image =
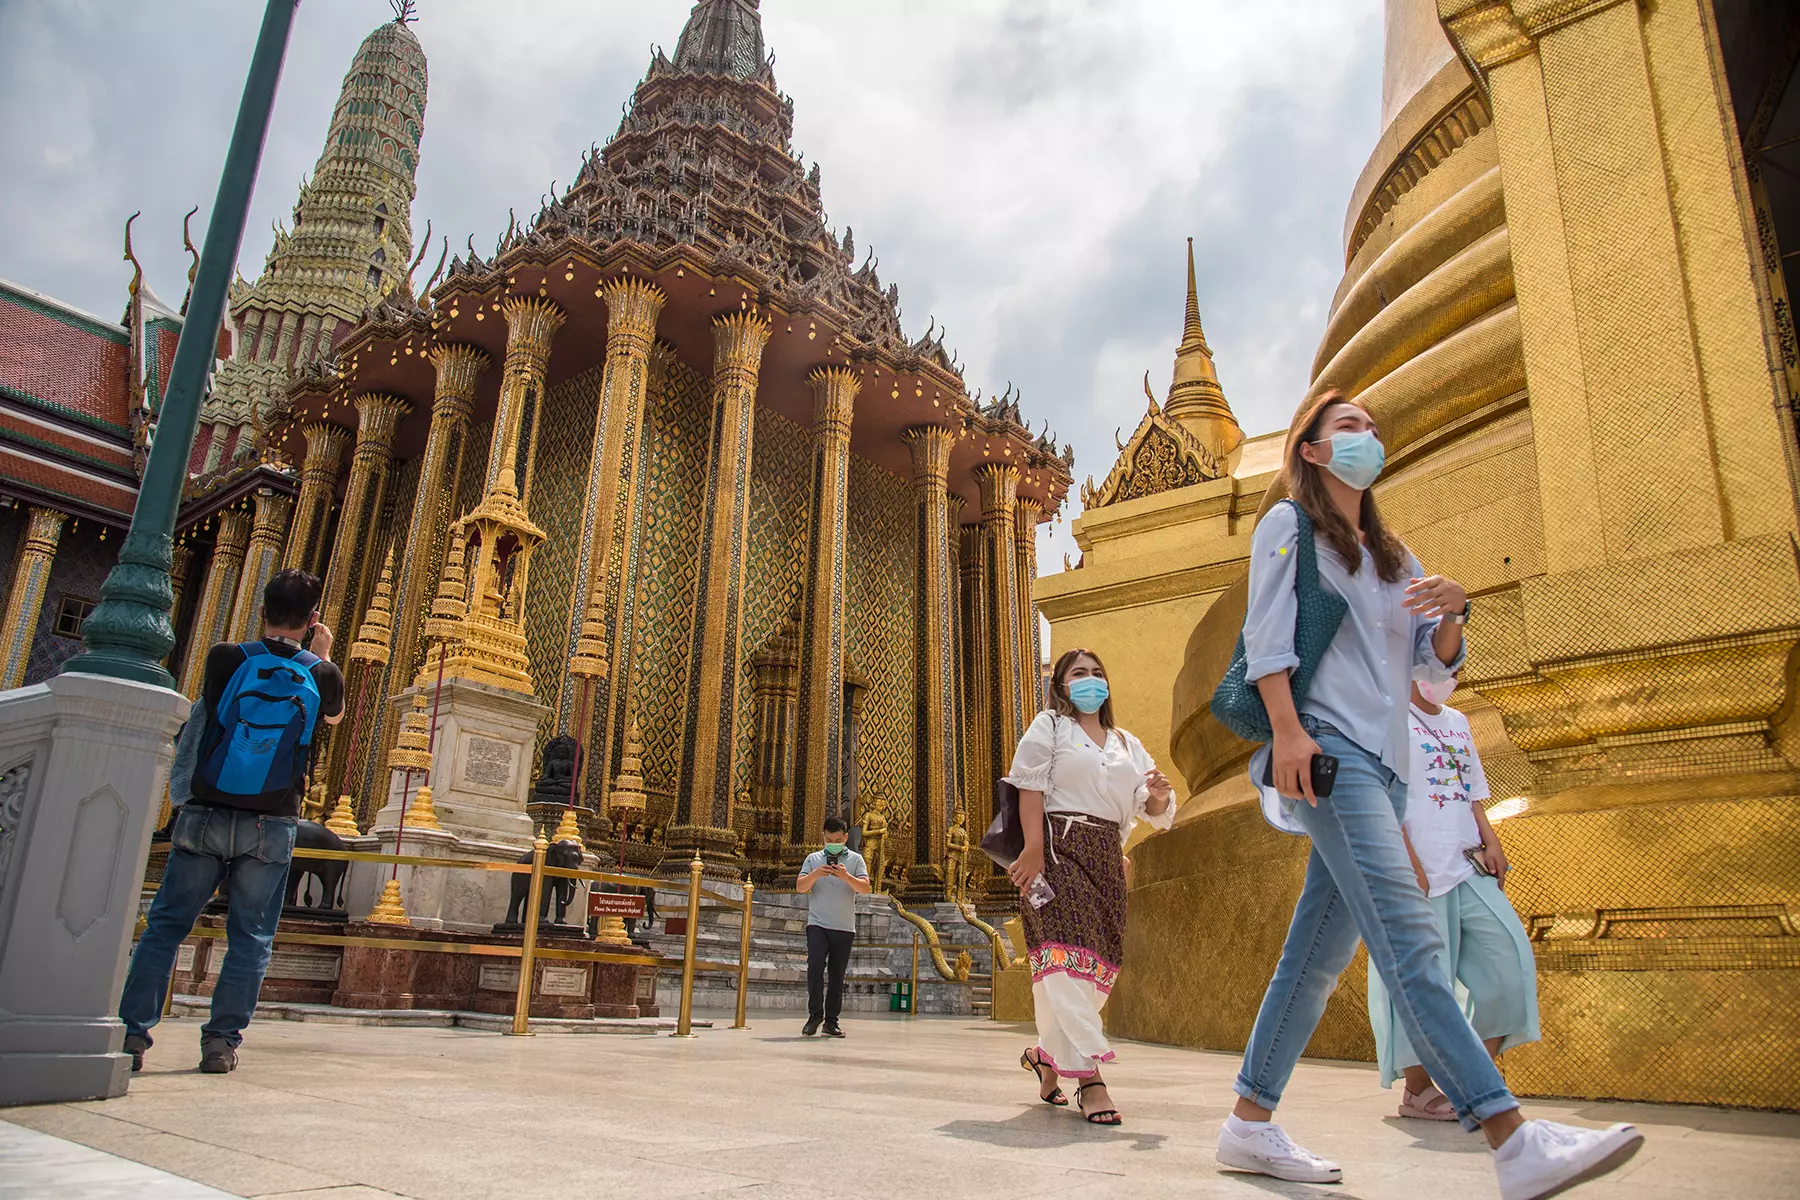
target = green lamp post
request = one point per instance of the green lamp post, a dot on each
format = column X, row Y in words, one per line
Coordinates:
column 129, row 634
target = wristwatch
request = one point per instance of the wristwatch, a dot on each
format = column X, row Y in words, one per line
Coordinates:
column 1462, row 618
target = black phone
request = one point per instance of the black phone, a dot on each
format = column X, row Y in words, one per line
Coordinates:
column 1324, row 774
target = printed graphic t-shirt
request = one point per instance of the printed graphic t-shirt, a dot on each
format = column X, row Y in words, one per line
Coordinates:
column 1447, row 781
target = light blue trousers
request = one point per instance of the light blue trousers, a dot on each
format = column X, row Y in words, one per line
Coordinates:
column 1487, row 957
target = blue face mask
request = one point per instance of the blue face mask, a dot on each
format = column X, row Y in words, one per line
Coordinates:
column 1357, row 458
column 1088, row 693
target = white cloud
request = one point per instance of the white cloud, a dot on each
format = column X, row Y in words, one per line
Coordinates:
column 1026, row 170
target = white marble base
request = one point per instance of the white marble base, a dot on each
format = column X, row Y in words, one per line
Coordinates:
column 83, row 764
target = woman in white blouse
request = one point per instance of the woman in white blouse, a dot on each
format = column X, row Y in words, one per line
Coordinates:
column 1083, row 783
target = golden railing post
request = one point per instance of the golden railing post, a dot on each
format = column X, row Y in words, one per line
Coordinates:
column 528, row 952
column 684, row 1022
column 743, row 995
column 912, row 1001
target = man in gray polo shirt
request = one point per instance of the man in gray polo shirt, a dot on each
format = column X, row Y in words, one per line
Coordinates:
column 832, row 879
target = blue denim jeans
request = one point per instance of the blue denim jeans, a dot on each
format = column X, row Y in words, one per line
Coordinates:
column 1360, row 883
column 246, row 852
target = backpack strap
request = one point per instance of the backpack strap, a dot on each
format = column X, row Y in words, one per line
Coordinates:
column 306, row 659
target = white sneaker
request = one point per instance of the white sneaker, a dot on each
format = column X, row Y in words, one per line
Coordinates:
column 1269, row 1151
column 1550, row 1158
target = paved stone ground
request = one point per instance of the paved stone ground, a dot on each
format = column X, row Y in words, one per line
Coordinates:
column 934, row 1107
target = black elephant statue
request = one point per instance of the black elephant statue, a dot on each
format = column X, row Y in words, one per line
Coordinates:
column 329, row 873
column 560, row 854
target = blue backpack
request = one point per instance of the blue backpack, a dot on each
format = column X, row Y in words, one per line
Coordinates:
column 261, row 736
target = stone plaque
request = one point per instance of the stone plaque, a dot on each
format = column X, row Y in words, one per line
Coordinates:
column 564, row 981
column 489, row 763
column 184, row 956
column 286, row 964
column 646, row 987
column 498, row 979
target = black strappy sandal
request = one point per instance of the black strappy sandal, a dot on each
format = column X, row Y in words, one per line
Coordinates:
column 1036, row 1067
column 1103, row 1116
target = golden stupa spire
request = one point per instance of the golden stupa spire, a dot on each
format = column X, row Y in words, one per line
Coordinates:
column 1195, row 397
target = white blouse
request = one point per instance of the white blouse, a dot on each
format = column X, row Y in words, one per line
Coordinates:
column 1107, row 781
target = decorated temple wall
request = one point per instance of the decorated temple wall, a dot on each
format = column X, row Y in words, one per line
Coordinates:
column 675, row 422
column 780, row 462
column 564, row 428
column 878, row 620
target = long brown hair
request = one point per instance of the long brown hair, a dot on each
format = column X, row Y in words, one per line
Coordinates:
column 1059, row 687
column 1307, row 489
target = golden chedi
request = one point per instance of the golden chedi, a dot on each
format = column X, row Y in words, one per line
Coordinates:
column 1564, row 304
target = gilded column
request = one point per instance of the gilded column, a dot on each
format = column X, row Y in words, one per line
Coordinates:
column 25, row 599
column 934, row 661
column 1004, row 719
column 978, row 773
column 708, row 786
column 600, row 563
column 1026, row 512
column 819, row 752
column 318, row 486
column 959, row 762
column 245, row 621
column 530, row 325
column 214, row 607
column 180, row 559
column 377, row 417
column 459, row 370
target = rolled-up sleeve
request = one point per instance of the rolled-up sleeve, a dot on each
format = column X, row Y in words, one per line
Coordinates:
column 1140, row 758
column 1427, row 666
column 1030, row 771
column 1271, row 608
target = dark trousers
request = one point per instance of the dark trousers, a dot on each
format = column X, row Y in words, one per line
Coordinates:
column 826, row 949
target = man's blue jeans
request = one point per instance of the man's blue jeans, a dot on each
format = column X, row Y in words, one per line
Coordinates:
column 249, row 854
column 1360, row 883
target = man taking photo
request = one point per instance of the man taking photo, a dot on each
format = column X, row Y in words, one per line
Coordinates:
column 832, row 879
column 262, row 703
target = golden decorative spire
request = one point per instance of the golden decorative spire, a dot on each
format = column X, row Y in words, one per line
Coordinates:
column 421, row 814
column 343, row 818
column 590, row 658
column 628, row 785
column 377, row 625
column 389, row 910
column 412, row 748
column 1195, row 397
column 568, row 830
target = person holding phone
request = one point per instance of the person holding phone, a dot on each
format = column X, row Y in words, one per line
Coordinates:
column 1398, row 623
column 832, row 877
column 1083, row 783
column 1461, row 868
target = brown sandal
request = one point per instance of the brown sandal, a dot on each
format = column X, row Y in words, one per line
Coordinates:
column 1036, row 1067
column 1100, row 1116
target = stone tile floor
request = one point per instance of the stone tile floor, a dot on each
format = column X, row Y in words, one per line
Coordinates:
column 933, row 1107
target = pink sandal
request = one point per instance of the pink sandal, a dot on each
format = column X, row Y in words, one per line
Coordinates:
column 1428, row 1105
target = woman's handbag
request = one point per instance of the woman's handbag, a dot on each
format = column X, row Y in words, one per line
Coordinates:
column 1236, row 702
column 1005, row 839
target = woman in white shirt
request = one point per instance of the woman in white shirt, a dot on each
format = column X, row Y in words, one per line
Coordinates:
column 1083, row 783
column 1486, row 952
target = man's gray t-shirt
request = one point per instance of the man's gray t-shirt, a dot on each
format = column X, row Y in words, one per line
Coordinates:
column 832, row 903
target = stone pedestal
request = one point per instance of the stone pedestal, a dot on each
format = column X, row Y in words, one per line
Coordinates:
column 83, row 764
column 481, row 762
column 383, row 978
column 297, row 973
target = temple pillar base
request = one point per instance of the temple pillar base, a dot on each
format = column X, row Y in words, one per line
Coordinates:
column 717, row 848
column 924, row 885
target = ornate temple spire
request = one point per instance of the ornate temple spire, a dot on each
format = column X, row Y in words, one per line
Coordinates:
column 1195, row 397
column 722, row 37
column 351, row 237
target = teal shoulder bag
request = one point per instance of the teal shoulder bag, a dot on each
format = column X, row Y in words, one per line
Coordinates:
column 1236, row 702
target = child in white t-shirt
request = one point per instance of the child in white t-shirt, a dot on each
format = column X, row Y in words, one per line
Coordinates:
column 1462, row 869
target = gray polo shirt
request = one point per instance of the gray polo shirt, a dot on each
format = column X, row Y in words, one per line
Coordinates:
column 832, row 903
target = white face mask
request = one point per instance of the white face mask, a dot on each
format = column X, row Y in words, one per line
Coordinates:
column 1437, row 694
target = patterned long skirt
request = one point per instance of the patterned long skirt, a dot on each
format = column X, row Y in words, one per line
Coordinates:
column 1075, row 944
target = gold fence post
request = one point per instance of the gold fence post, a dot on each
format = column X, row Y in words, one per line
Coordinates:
column 912, row 1001
column 684, row 1023
column 743, row 995
column 528, row 952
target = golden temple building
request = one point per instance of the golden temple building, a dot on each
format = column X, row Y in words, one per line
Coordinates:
column 1564, row 301
column 660, row 473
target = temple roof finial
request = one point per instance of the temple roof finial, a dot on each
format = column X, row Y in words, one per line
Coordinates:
column 1195, row 398
column 722, row 37
column 1191, row 334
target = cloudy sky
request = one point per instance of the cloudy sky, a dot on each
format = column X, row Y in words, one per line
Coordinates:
column 1026, row 170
